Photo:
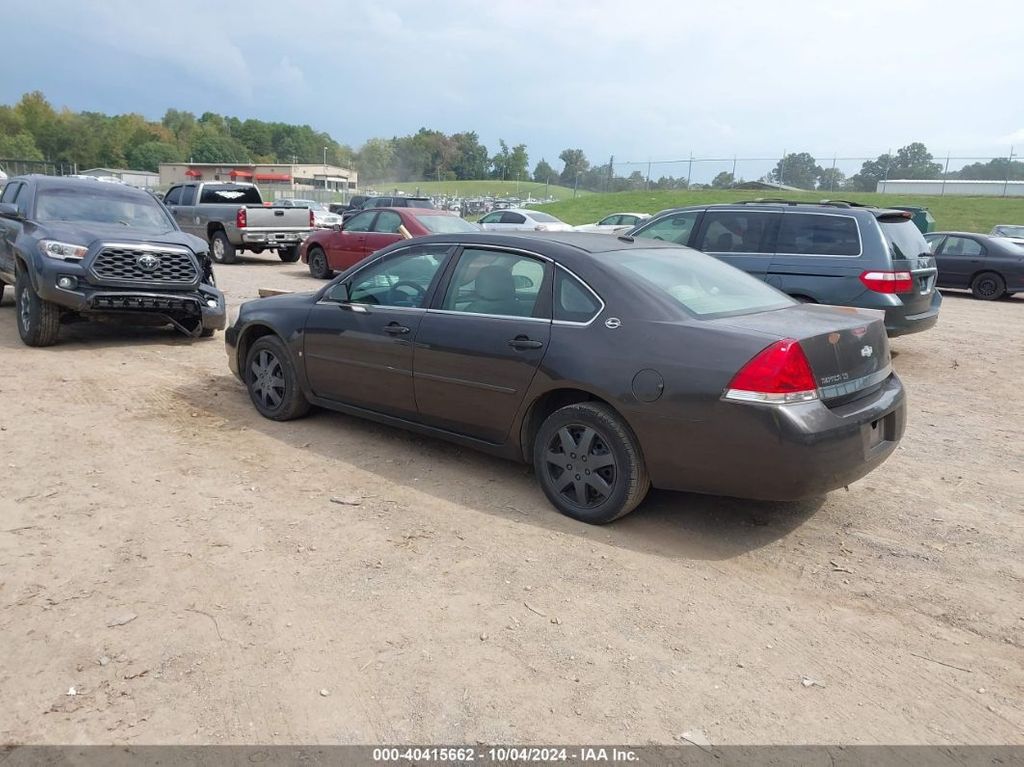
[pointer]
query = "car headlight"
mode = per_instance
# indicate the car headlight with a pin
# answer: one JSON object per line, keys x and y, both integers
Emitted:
{"x": 63, "y": 251}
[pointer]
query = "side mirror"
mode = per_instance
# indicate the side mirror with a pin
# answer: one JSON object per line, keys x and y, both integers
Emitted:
{"x": 10, "y": 210}
{"x": 338, "y": 293}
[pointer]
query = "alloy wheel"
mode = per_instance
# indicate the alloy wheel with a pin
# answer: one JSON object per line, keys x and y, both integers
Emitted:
{"x": 987, "y": 287}
{"x": 266, "y": 379}
{"x": 580, "y": 465}
{"x": 25, "y": 309}
{"x": 218, "y": 249}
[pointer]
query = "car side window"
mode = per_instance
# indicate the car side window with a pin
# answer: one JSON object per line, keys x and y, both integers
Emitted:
{"x": 822, "y": 235}
{"x": 400, "y": 279}
{"x": 675, "y": 227}
{"x": 387, "y": 222}
{"x": 573, "y": 301}
{"x": 934, "y": 242}
{"x": 361, "y": 222}
{"x": 188, "y": 195}
{"x": 962, "y": 246}
{"x": 173, "y": 196}
{"x": 11, "y": 191}
{"x": 491, "y": 218}
{"x": 629, "y": 220}
{"x": 608, "y": 221}
{"x": 513, "y": 218}
{"x": 734, "y": 231}
{"x": 495, "y": 282}
{"x": 24, "y": 196}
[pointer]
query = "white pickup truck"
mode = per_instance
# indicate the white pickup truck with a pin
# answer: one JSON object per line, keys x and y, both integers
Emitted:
{"x": 231, "y": 217}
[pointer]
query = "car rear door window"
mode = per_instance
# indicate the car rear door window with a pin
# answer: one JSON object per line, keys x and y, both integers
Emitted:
{"x": 674, "y": 227}
{"x": 735, "y": 231}
{"x": 962, "y": 246}
{"x": 818, "y": 235}
{"x": 387, "y": 222}
{"x": 497, "y": 283}
{"x": 934, "y": 241}
{"x": 513, "y": 218}
{"x": 574, "y": 302}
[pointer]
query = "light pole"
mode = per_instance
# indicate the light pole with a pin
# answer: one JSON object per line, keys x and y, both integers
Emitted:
{"x": 325, "y": 169}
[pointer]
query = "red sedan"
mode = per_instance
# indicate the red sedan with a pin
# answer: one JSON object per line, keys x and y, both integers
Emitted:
{"x": 329, "y": 250}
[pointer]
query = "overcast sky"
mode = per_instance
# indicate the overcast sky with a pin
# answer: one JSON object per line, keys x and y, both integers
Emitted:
{"x": 640, "y": 80}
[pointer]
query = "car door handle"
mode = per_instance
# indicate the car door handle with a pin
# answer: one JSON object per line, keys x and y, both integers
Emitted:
{"x": 395, "y": 329}
{"x": 520, "y": 343}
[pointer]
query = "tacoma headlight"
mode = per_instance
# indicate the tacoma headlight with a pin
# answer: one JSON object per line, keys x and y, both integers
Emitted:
{"x": 62, "y": 251}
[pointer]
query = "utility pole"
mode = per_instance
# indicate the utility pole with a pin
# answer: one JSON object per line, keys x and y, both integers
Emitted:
{"x": 325, "y": 168}
{"x": 611, "y": 172}
{"x": 575, "y": 185}
{"x": 832, "y": 177}
{"x": 945, "y": 175}
{"x": 1009, "y": 162}
{"x": 689, "y": 171}
{"x": 648, "y": 174}
{"x": 888, "y": 160}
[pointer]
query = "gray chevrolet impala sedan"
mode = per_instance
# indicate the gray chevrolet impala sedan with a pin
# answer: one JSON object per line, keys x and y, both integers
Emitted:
{"x": 609, "y": 364}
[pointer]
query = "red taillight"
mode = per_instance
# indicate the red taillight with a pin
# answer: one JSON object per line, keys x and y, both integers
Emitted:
{"x": 779, "y": 374}
{"x": 240, "y": 218}
{"x": 888, "y": 282}
{"x": 312, "y": 219}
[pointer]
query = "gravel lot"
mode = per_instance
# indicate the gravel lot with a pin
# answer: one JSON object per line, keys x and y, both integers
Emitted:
{"x": 178, "y": 562}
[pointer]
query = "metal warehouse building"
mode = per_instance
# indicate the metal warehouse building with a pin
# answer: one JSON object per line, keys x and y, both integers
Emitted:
{"x": 141, "y": 178}
{"x": 952, "y": 187}
{"x": 270, "y": 178}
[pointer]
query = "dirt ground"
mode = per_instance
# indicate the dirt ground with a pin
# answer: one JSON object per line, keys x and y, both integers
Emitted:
{"x": 177, "y": 563}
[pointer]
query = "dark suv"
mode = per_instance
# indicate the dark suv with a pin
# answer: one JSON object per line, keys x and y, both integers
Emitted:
{"x": 398, "y": 201}
{"x": 78, "y": 248}
{"x": 837, "y": 253}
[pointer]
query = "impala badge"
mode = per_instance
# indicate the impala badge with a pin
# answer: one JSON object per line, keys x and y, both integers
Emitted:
{"x": 612, "y": 322}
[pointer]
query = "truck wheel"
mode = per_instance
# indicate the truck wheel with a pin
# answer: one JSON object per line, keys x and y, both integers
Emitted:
{"x": 38, "y": 320}
{"x": 273, "y": 385}
{"x": 318, "y": 264}
{"x": 221, "y": 249}
{"x": 288, "y": 255}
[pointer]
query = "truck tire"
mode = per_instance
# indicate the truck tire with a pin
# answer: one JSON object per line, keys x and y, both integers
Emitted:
{"x": 289, "y": 255}
{"x": 38, "y": 320}
{"x": 221, "y": 249}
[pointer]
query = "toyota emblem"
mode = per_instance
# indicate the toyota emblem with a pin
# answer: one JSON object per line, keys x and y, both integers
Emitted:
{"x": 148, "y": 262}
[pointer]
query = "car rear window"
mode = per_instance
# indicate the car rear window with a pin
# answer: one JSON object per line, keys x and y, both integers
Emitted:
{"x": 446, "y": 224}
{"x": 230, "y": 195}
{"x": 547, "y": 218}
{"x": 904, "y": 238}
{"x": 701, "y": 285}
{"x": 418, "y": 202}
{"x": 819, "y": 235}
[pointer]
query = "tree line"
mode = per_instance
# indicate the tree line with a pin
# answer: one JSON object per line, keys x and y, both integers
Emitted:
{"x": 33, "y": 130}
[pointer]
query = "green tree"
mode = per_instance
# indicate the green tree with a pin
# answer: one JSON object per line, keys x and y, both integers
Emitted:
{"x": 998, "y": 169}
{"x": 831, "y": 179}
{"x": 723, "y": 180}
{"x": 800, "y": 170}
{"x": 149, "y": 155}
{"x": 469, "y": 159}
{"x": 915, "y": 161}
{"x": 500, "y": 161}
{"x": 544, "y": 173}
{"x": 19, "y": 146}
{"x": 375, "y": 159}
{"x": 519, "y": 163}
{"x": 575, "y": 164}
{"x": 210, "y": 147}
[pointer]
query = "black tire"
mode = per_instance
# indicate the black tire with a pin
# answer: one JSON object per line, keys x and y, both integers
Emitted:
{"x": 988, "y": 286}
{"x": 271, "y": 381}
{"x": 2, "y": 286}
{"x": 804, "y": 299}
{"x": 207, "y": 333}
{"x": 221, "y": 249}
{"x": 38, "y": 320}
{"x": 318, "y": 263}
{"x": 289, "y": 255}
{"x": 594, "y": 495}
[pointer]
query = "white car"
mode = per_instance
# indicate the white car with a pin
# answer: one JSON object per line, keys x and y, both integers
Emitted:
{"x": 322, "y": 217}
{"x": 522, "y": 220}
{"x": 616, "y": 222}
{"x": 1011, "y": 232}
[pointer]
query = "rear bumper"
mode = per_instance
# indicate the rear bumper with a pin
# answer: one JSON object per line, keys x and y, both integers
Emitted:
{"x": 780, "y": 453}
{"x": 270, "y": 238}
{"x": 899, "y": 322}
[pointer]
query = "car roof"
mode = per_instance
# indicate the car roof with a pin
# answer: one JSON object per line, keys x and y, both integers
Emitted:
{"x": 836, "y": 207}
{"x": 579, "y": 243}
{"x": 415, "y": 211}
{"x": 84, "y": 184}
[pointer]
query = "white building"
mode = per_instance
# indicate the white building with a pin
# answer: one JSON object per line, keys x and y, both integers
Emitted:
{"x": 143, "y": 179}
{"x": 952, "y": 187}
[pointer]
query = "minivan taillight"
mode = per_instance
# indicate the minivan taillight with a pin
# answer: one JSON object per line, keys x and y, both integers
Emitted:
{"x": 240, "y": 218}
{"x": 888, "y": 282}
{"x": 779, "y": 374}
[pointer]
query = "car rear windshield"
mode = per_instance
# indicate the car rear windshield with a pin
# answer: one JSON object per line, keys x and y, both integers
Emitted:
{"x": 446, "y": 224}
{"x": 417, "y": 202}
{"x": 904, "y": 238}
{"x": 702, "y": 285}
{"x": 133, "y": 211}
{"x": 231, "y": 195}
{"x": 547, "y": 218}
{"x": 1009, "y": 231}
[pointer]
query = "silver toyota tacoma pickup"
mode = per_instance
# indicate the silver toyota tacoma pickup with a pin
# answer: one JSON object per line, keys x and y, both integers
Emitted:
{"x": 231, "y": 217}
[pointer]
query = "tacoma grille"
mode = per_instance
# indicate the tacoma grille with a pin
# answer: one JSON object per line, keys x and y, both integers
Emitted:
{"x": 125, "y": 264}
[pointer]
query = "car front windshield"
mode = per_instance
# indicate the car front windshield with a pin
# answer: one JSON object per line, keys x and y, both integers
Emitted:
{"x": 133, "y": 211}
{"x": 703, "y": 286}
{"x": 447, "y": 224}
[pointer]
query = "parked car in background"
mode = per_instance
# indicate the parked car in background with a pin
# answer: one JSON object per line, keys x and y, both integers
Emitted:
{"x": 616, "y": 222}
{"x": 610, "y": 365}
{"x": 522, "y": 220}
{"x": 398, "y": 201}
{"x": 231, "y": 216}
{"x": 827, "y": 253}
{"x": 322, "y": 217}
{"x": 78, "y": 249}
{"x": 327, "y": 252}
{"x": 989, "y": 267}
{"x": 1011, "y": 232}
{"x": 346, "y": 209}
